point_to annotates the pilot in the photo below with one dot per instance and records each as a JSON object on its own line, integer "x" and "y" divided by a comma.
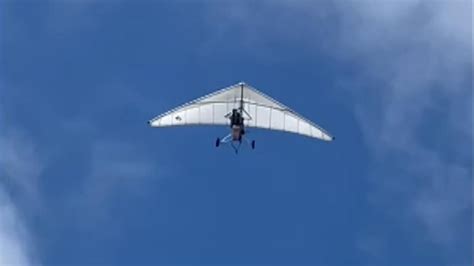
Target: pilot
{"x": 236, "y": 118}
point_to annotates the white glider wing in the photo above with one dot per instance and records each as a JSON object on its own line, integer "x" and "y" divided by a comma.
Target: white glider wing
{"x": 260, "y": 111}
{"x": 208, "y": 110}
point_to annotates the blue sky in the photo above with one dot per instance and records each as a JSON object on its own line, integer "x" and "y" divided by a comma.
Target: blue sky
{"x": 85, "y": 181}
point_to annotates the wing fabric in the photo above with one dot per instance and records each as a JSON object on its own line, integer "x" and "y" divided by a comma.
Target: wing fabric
{"x": 268, "y": 113}
{"x": 261, "y": 112}
{"x": 208, "y": 110}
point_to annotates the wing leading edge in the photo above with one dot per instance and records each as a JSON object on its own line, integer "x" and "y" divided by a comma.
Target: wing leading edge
{"x": 261, "y": 110}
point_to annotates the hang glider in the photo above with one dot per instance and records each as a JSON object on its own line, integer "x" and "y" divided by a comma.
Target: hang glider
{"x": 240, "y": 106}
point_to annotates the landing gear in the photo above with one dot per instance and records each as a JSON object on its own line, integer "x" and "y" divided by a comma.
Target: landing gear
{"x": 235, "y": 144}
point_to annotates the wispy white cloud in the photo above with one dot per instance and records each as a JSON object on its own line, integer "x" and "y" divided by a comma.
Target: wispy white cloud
{"x": 15, "y": 244}
{"x": 114, "y": 170}
{"x": 19, "y": 170}
{"x": 117, "y": 170}
{"x": 21, "y": 165}
{"x": 419, "y": 53}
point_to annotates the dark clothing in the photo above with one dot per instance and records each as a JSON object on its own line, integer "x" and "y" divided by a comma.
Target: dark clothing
{"x": 236, "y": 118}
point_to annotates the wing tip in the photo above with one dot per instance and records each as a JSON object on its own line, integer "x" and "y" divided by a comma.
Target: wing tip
{"x": 328, "y": 138}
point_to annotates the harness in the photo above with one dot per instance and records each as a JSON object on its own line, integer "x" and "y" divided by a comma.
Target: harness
{"x": 236, "y": 119}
